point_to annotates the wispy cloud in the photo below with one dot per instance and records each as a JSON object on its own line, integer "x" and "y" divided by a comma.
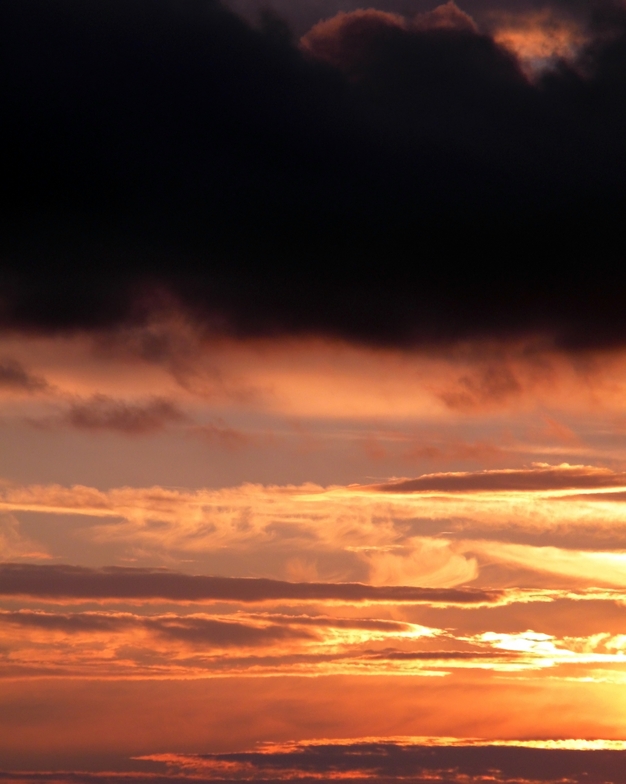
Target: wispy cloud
{"x": 101, "y": 413}
{"x": 15, "y": 377}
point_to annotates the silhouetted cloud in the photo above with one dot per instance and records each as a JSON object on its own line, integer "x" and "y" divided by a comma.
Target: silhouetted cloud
{"x": 75, "y": 582}
{"x": 414, "y": 187}
{"x": 541, "y": 477}
{"x": 389, "y": 760}
{"x": 192, "y": 630}
{"x": 418, "y": 762}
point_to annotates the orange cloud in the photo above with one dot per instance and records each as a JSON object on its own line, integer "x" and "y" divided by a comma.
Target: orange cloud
{"x": 347, "y": 40}
{"x": 62, "y": 721}
{"x": 321, "y": 379}
{"x": 539, "y": 37}
{"x": 15, "y": 378}
{"x": 413, "y": 531}
{"x": 101, "y": 413}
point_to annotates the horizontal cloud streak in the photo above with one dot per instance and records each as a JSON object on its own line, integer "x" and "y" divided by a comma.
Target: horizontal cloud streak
{"x": 382, "y": 759}
{"x": 192, "y": 630}
{"x": 127, "y": 583}
{"x": 540, "y": 478}
{"x": 103, "y": 413}
{"x": 439, "y": 531}
{"x": 14, "y": 377}
{"x": 128, "y": 644}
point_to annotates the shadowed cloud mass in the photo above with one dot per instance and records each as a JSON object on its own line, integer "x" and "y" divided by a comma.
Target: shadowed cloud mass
{"x": 13, "y": 376}
{"x": 313, "y": 251}
{"x": 390, "y": 179}
{"x": 128, "y": 583}
{"x": 103, "y": 413}
{"x": 384, "y": 760}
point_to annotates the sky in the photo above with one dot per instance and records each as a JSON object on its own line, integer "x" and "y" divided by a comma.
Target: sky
{"x": 312, "y": 383}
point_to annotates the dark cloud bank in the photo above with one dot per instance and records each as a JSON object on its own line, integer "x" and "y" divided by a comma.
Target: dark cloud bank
{"x": 77, "y": 582}
{"x": 382, "y": 761}
{"x": 374, "y": 761}
{"x": 415, "y": 186}
{"x": 544, "y": 478}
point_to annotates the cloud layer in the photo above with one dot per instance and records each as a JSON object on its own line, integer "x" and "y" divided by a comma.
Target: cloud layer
{"x": 72, "y": 582}
{"x": 371, "y": 166}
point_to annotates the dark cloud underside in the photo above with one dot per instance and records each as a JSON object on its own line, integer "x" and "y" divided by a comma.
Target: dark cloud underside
{"x": 103, "y": 413}
{"x": 524, "y": 479}
{"x": 389, "y": 761}
{"x": 128, "y": 583}
{"x": 378, "y": 761}
{"x": 14, "y": 376}
{"x": 190, "y": 630}
{"x": 420, "y": 188}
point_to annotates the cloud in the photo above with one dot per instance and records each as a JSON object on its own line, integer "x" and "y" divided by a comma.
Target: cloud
{"x": 13, "y": 542}
{"x": 494, "y": 384}
{"x": 540, "y": 38}
{"x": 343, "y": 40}
{"x": 591, "y": 568}
{"x": 414, "y": 760}
{"x": 362, "y": 198}
{"x": 183, "y": 644}
{"x": 14, "y": 377}
{"x": 542, "y": 477}
{"x": 222, "y": 434}
{"x": 199, "y": 626}
{"x": 447, "y": 16}
{"x": 191, "y": 630}
{"x": 208, "y": 631}
{"x": 102, "y": 413}
{"x": 406, "y": 532}
{"x": 428, "y": 563}
{"x": 479, "y": 451}
{"x": 349, "y": 41}
{"x": 74, "y": 582}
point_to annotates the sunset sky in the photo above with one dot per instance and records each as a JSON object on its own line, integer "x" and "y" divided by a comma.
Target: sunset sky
{"x": 313, "y": 391}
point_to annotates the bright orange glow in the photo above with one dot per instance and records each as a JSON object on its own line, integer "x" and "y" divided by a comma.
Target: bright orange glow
{"x": 435, "y": 536}
{"x": 539, "y": 37}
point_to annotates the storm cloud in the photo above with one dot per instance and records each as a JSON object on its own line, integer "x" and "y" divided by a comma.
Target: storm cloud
{"x": 417, "y": 187}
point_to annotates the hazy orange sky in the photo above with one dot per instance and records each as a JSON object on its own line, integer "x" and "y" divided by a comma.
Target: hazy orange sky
{"x": 412, "y": 542}
{"x": 312, "y": 392}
